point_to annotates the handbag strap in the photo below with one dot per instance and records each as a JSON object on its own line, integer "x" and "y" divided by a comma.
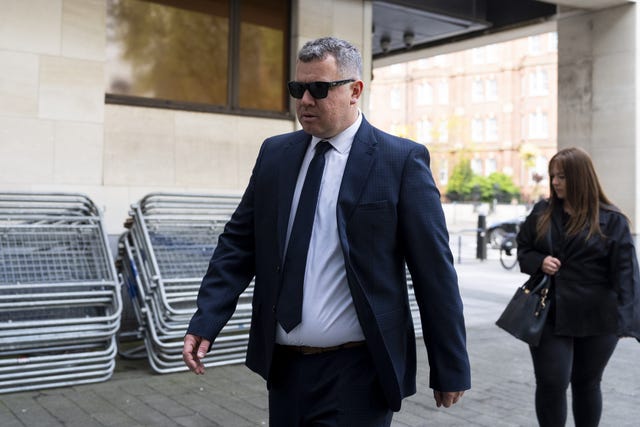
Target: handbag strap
{"x": 545, "y": 284}
{"x": 549, "y": 240}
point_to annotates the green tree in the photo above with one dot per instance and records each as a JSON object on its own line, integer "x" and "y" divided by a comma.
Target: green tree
{"x": 495, "y": 186}
{"x": 504, "y": 187}
{"x": 464, "y": 185}
{"x": 481, "y": 189}
{"x": 460, "y": 182}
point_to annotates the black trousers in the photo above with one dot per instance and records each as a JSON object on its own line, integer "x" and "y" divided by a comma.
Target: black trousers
{"x": 580, "y": 361}
{"x": 337, "y": 388}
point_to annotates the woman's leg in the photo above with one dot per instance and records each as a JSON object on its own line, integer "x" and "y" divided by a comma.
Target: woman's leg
{"x": 591, "y": 355}
{"x": 552, "y": 363}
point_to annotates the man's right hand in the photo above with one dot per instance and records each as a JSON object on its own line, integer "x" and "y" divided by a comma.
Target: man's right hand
{"x": 193, "y": 351}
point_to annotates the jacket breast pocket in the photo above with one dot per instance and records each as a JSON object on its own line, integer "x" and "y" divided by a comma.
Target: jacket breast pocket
{"x": 372, "y": 228}
{"x": 381, "y": 211}
{"x": 373, "y": 217}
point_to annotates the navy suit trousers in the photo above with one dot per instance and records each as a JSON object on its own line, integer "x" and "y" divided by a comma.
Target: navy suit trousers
{"x": 337, "y": 388}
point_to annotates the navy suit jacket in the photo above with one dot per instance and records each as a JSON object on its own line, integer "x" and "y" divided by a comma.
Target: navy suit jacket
{"x": 388, "y": 213}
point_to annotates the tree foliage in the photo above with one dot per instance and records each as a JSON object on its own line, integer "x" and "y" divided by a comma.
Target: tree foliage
{"x": 460, "y": 182}
{"x": 505, "y": 189}
{"x": 464, "y": 185}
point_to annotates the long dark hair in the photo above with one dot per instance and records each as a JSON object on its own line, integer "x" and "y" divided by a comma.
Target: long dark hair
{"x": 583, "y": 193}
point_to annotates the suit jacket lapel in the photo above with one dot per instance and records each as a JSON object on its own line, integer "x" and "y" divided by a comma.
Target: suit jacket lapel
{"x": 291, "y": 160}
{"x": 363, "y": 152}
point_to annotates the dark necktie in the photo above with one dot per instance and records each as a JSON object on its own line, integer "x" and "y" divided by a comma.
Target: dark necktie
{"x": 289, "y": 310}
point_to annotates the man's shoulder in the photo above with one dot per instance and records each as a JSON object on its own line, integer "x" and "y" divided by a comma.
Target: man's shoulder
{"x": 394, "y": 141}
{"x": 277, "y": 142}
{"x": 298, "y": 135}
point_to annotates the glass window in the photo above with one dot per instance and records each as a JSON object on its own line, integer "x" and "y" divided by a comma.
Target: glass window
{"x": 538, "y": 82}
{"x": 553, "y": 42}
{"x": 214, "y": 53}
{"x": 424, "y": 131}
{"x": 476, "y": 166}
{"x": 492, "y": 53}
{"x": 425, "y": 94}
{"x": 443, "y": 131}
{"x": 477, "y": 130}
{"x": 443, "y": 92}
{"x": 477, "y": 55}
{"x": 396, "y": 69}
{"x": 490, "y": 166}
{"x": 396, "y": 101}
{"x": 441, "y": 60}
{"x": 491, "y": 89}
{"x": 477, "y": 91}
{"x": 491, "y": 126}
{"x": 422, "y": 63}
{"x": 263, "y": 56}
{"x": 538, "y": 125}
{"x": 535, "y": 43}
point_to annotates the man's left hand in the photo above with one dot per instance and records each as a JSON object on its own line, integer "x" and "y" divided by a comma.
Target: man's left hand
{"x": 446, "y": 398}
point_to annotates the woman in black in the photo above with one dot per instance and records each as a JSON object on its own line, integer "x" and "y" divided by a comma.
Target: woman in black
{"x": 595, "y": 292}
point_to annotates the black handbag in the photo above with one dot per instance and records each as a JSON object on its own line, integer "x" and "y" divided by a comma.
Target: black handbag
{"x": 525, "y": 315}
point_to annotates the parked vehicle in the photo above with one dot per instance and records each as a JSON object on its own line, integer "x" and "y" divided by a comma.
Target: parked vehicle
{"x": 497, "y": 231}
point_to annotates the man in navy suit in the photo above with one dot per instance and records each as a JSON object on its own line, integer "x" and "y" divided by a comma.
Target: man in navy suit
{"x": 349, "y": 357}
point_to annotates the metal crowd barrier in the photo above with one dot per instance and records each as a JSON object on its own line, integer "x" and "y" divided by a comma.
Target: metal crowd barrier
{"x": 413, "y": 305}
{"x": 162, "y": 258}
{"x": 60, "y": 299}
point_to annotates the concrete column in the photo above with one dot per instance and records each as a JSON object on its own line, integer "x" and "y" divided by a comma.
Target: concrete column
{"x": 598, "y": 94}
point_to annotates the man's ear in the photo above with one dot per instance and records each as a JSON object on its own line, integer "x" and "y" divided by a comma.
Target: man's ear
{"x": 356, "y": 91}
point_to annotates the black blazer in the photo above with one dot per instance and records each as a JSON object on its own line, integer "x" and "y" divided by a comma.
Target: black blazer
{"x": 388, "y": 213}
{"x": 597, "y": 289}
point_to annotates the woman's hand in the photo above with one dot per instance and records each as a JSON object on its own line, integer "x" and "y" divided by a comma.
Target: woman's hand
{"x": 550, "y": 265}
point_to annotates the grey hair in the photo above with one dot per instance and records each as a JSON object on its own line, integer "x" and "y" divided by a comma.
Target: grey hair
{"x": 347, "y": 56}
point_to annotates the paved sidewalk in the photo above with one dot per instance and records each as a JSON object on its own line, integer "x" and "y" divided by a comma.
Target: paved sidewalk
{"x": 233, "y": 396}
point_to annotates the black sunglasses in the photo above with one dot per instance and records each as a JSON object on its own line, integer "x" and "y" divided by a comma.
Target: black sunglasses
{"x": 318, "y": 90}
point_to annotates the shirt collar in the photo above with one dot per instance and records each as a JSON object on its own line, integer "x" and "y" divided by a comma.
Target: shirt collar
{"x": 342, "y": 141}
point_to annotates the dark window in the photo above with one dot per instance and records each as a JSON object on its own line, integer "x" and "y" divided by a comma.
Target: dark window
{"x": 211, "y": 55}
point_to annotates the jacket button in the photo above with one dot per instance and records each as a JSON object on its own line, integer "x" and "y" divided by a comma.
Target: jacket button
{"x": 277, "y": 268}
{"x": 273, "y": 308}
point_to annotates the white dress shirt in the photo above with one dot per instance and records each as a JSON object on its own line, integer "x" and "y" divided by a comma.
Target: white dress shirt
{"x": 328, "y": 314}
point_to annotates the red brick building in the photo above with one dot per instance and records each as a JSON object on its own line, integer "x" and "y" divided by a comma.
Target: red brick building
{"x": 495, "y": 105}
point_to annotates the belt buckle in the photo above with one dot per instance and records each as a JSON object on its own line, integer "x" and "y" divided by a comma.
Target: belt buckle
{"x": 308, "y": 351}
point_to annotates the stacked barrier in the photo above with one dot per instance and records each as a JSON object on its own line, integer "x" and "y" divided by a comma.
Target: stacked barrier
{"x": 413, "y": 305}
{"x": 163, "y": 257}
{"x": 60, "y": 299}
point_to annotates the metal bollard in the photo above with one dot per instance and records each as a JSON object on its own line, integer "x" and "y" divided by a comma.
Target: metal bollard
{"x": 481, "y": 239}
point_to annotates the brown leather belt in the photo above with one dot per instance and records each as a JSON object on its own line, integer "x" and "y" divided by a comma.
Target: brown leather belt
{"x": 306, "y": 350}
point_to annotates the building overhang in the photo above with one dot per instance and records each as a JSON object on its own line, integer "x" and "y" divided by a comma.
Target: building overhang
{"x": 400, "y": 26}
